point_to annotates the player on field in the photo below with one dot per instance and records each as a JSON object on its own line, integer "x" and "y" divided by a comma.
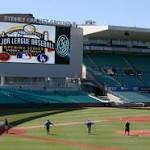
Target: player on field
{"x": 89, "y": 124}
{"x": 127, "y": 128}
{"x": 48, "y": 124}
{"x": 6, "y": 125}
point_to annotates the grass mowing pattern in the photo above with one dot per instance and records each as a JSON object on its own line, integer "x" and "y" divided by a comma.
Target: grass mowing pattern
{"x": 103, "y": 133}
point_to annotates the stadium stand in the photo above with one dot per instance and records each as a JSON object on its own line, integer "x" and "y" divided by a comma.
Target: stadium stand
{"x": 123, "y": 73}
{"x": 20, "y": 96}
{"x": 141, "y": 63}
{"x": 117, "y": 70}
{"x": 131, "y": 97}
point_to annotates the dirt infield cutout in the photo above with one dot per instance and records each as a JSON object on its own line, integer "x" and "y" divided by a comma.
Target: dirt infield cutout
{"x": 136, "y": 132}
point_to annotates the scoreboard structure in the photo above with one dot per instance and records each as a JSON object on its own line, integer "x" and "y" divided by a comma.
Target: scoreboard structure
{"x": 38, "y": 50}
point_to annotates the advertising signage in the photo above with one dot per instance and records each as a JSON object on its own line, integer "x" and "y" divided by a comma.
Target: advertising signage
{"x": 30, "y": 19}
{"x": 30, "y": 43}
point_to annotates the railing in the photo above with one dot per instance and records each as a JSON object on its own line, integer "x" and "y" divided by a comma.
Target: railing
{"x": 117, "y": 49}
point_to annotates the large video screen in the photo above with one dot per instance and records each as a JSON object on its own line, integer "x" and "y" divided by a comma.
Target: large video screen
{"x": 30, "y": 43}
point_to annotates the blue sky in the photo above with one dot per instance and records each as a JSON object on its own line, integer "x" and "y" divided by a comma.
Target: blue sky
{"x": 114, "y": 12}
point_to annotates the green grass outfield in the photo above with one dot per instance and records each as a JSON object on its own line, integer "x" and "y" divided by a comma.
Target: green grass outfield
{"x": 74, "y": 136}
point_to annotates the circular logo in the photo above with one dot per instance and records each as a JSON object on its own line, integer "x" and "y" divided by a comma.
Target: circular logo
{"x": 4, "y": 56}
{"x": 29, "y": 28}
{"x": 63, "y": 46}
{"x": 42, "y": 58}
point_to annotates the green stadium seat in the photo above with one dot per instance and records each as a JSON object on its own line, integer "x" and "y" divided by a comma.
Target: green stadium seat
{"x": 131, "y": 97}
{"x": 11, "y": 95}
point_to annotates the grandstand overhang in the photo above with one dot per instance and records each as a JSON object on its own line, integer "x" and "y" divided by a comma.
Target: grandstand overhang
{"x": 116, "y": 32}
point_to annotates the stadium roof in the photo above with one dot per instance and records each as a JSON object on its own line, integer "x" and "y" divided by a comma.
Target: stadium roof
{"x": 116, "y": 32}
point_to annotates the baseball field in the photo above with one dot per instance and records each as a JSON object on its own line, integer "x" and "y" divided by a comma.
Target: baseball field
{"x": 69, "y": 132}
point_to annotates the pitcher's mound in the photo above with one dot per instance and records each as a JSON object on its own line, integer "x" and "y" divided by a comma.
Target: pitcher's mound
{"x": 136, "y": 132}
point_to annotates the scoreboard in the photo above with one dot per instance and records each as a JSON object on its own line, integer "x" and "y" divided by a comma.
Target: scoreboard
{"x": 29, "y": 43}
{"x": 35, "y": 50}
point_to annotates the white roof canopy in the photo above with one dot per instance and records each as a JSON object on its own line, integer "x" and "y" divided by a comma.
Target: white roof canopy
{"x": 116, "y": 32}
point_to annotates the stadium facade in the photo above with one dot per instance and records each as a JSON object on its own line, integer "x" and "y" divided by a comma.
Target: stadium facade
{"x": 116, "y": 38}
{"x": 54, "y": 55}
{"x": 118, "y": 59}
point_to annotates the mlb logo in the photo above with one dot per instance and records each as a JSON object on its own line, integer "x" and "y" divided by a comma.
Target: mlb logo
{"x": 24, "y": 55}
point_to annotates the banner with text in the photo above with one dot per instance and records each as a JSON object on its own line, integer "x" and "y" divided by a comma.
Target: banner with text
{"x": 29, "y": 43}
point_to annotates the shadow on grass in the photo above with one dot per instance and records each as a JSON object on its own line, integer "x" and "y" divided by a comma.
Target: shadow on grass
{"x": 13, "y": 111}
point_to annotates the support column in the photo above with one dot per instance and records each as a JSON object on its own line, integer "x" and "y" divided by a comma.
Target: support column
{"x": 2, "y": 81}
